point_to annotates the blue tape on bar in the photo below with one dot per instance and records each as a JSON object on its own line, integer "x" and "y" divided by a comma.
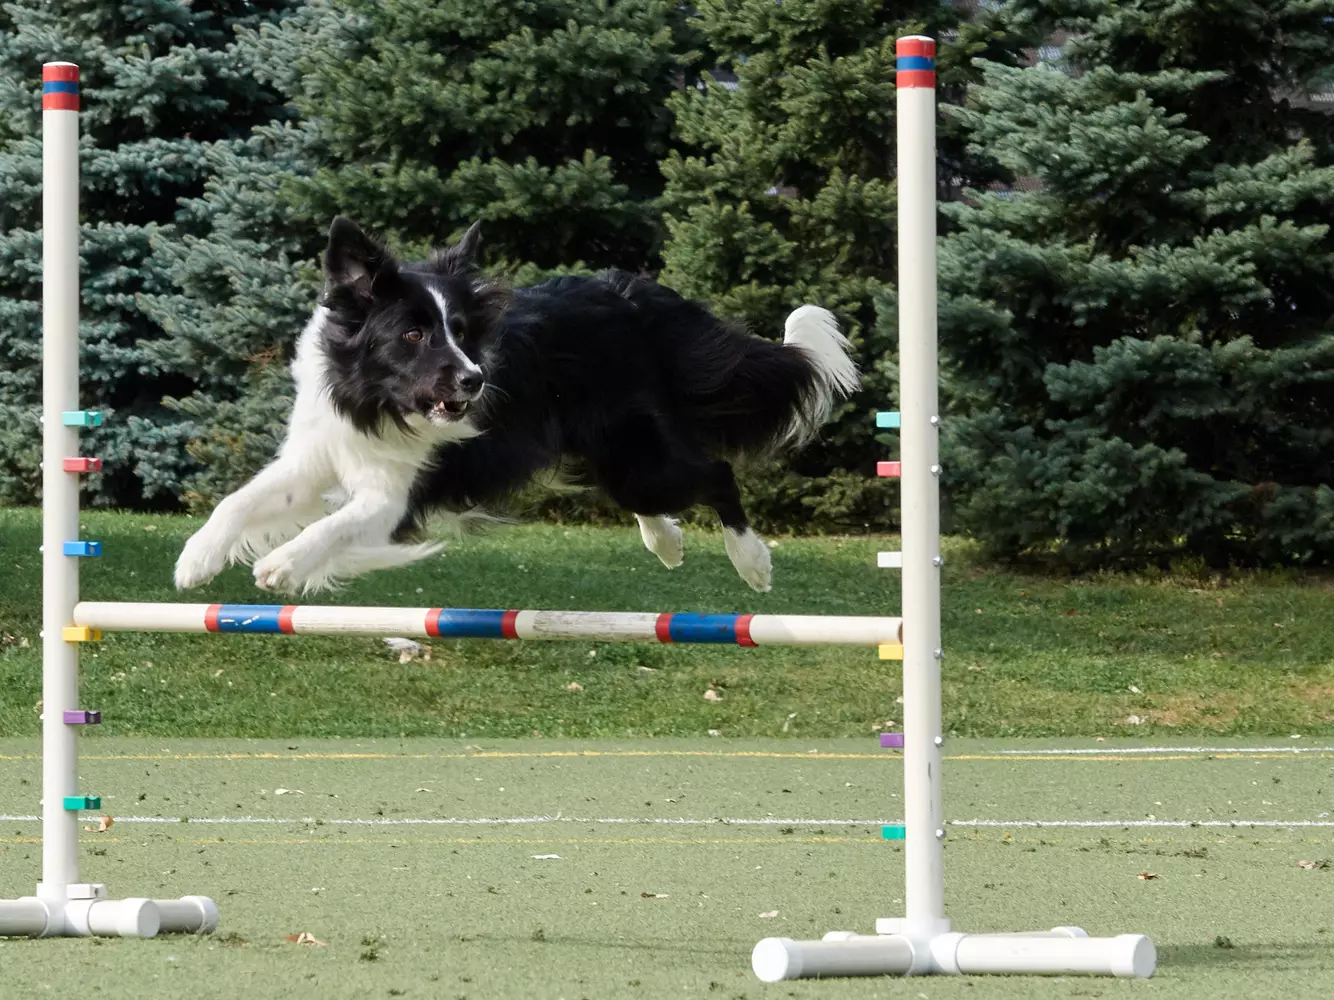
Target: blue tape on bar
{"x": 702, "y": 628}
{"x": 915, "y": 62}
{"x": 888, "y": 418}
{"x": 265, "y": 618}
{"x": 82, "y": 548}
{"x": 467, "y": 623}
{"x": 892, "y": 833}
{"x": 81, "y": 418}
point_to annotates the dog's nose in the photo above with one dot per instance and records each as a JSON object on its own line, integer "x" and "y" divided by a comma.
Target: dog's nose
{"x": 470, "y": 381}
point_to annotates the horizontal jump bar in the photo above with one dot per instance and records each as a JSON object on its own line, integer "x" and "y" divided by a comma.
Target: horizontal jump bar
{"x": 465, "y": 623}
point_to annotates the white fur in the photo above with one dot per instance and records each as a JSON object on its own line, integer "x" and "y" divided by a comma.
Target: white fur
{"x": 815, "y": 331}
{"x": 465, "y": 363}
{"x": 751, "y": 558}
{"x": 662, "y": 537}
{"x": 282, "y": 516}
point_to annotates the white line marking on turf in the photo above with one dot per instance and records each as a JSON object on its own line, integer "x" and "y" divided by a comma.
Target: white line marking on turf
{"x": 686, "y": 821}
{"x": 1135, "y": 750}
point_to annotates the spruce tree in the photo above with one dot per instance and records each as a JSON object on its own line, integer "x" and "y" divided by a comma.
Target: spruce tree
{"x": 245, "y": 275}
{"x": 1141, "y": 345}
{"x": 545, "y": 120}
{"x": 161, "y": 87}
{"x": 791, "y": 199}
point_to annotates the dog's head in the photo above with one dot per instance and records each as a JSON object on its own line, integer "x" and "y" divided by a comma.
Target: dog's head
{"x": 407, "y": 343}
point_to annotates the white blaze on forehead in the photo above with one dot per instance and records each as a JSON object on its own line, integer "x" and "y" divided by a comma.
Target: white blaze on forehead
{"x": 466, "y": 363}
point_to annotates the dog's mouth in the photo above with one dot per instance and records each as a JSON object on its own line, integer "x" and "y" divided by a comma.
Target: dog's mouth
{"x": 447, "y": 410}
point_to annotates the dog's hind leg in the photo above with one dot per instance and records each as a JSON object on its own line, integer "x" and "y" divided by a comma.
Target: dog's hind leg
{"x": 662, "y": 537}
{"x": 746, "y": 549}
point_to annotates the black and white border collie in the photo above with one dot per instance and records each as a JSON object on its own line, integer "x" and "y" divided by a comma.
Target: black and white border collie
{"x": 425, "y": 388}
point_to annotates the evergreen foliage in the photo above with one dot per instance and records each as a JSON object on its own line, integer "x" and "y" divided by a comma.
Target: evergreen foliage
{"x": 1142, "y": 348}
{"x": 245, "y": 276}
{"x": 792, "y": 200}
{"x": 544, "y": 119}
{"x": 162, "y": 88}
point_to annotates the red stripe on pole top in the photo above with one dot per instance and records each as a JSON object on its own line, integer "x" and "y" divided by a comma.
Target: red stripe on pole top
{"x": 60, "y": 72}
{"x": 915, "y": 46}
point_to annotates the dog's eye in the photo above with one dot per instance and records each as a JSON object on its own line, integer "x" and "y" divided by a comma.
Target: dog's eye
{"x": 413, "y": 336}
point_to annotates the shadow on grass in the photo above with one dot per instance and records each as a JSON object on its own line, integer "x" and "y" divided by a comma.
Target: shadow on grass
{"x": 716, "y": 946}
{"x": 1285, "y": 954}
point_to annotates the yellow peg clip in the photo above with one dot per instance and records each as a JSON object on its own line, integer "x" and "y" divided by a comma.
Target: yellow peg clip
{"x": 80, "y": 633}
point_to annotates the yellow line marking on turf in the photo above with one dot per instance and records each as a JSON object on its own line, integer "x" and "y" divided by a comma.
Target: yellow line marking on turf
{"x": 778, "y": 755}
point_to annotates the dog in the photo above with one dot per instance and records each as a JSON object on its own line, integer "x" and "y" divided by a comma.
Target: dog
{"x": 426, "y": 388}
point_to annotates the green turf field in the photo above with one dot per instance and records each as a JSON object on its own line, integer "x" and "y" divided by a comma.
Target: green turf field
{"x": 414, "y": 862}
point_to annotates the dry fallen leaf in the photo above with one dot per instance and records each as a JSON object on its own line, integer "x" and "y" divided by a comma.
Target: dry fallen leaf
{"x": 715, "y": 732}
{"x": 1070, "y": 613}
{"x": 305, "y": 937}
{"x": 574, "y": 686}
{"x": 288, "y": 791}
{"x": 1146, "y": 875}
{"x": 653, "y": 895}
{"x": 768, "y": 914}
{"x": 712, "y": 695}
{"x": 409, "y": 650}
{"x": 1312, "y": 865}
{"x": 104, "y": 824}
{"x": 547, "y": 857}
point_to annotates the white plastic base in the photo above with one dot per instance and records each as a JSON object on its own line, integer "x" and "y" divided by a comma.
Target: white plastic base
{"x": 84, "y": 911}
{"x": 1062, "y": 951}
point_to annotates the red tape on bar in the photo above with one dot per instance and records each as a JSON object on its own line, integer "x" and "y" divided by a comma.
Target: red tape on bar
{"x": 743, "y": 631}
{"x": 211, "y": 617}
{"x": 663, "y": 627}
{"x": 433, "y": 621}
{"x": 285, "y": 619}
{"x": 508, "y": 625}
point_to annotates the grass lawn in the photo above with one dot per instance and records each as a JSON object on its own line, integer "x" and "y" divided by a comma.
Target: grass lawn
{"x": 1025, "y": 656}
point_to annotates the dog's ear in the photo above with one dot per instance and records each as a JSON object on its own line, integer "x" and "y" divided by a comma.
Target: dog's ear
{"x": 353, "y": 261}
{"x": 462, "y": 256}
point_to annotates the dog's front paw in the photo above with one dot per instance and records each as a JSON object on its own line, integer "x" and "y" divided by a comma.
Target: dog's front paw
{"x": 203, "y": 558}
{"x": 279, "y": 571}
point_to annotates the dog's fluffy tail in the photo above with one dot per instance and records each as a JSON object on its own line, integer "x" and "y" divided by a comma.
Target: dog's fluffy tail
{"x": 756, "y": 397}
{"x": 815, "y": 332}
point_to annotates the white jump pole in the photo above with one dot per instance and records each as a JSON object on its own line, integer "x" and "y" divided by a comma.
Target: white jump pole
{"x": 63, "y": 905}
{"x": 922, "y": 942}
{"x": 471, "y": 623}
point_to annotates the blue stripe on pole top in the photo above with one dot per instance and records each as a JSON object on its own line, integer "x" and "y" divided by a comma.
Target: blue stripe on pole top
{"x": 914, "y": 62}
{"x": 60, "y": 87}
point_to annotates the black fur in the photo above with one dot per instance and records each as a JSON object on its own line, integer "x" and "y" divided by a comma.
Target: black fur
{"x": 638, "y": 391}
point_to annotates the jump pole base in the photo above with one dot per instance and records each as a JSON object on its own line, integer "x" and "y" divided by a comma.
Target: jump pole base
{"x": 1061, "y": 951}
{"x": 87, "y": 912}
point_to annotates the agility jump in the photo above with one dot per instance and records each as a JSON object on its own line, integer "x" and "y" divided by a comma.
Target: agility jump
{"x": 920, "y": 942}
